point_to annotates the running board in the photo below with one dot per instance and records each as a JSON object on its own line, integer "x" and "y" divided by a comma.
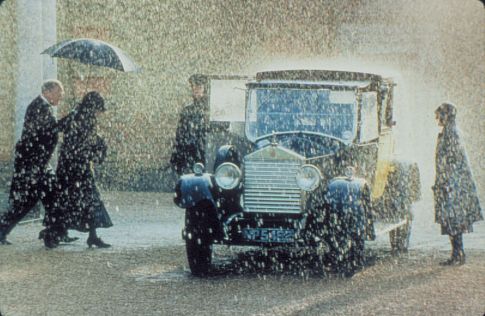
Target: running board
{"x": 383, "y": 228}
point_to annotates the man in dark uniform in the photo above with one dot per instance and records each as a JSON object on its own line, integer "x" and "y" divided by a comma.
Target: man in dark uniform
{"x": 33, "y": 178}
{"x": 192, "y": 128}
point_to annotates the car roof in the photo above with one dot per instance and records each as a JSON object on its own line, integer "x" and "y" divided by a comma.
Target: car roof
{"x": 317, "y": 78}
{"x": 310, "y": 84}
{"x": 317, "y": 75}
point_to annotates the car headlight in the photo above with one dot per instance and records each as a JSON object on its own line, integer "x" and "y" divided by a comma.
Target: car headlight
{"x": 198, "y": 169}
{"x": 308, "y": 177}
{"x": 227, "y": 176}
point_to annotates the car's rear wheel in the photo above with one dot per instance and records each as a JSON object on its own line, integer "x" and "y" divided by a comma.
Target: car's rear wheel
{"x": 198, "y": 240}
{"x": 399, "y": 237}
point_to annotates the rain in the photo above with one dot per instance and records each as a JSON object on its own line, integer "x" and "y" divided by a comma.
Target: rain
{"x": 289, "y": 90}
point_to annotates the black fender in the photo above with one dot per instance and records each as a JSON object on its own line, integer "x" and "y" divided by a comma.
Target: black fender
{"x": 349, "y": 199}
{"x": 192, "y": 190}
{"x": 227, "y": 153}
{"x": 347, "y": 192}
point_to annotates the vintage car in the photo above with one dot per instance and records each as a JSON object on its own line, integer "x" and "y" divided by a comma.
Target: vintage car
{"x": 302, "y": 159}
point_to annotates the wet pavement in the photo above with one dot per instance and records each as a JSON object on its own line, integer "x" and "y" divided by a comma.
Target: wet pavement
{"x": 150, "y": 219}
{"x": 146, "y": 273}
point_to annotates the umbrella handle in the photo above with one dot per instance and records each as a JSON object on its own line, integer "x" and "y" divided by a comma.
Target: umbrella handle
{"x": 87, "y": 80}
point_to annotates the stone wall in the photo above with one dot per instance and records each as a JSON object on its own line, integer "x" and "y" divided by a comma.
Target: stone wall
{"x": 171, "y": 40}
{"x": 7, "y": 88}
{"x": 433, "y": 48}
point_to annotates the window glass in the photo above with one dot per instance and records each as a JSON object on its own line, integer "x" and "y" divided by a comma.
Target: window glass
{"x": 369, "y": 117}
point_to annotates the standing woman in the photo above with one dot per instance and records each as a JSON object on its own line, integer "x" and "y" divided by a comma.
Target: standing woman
{"x": 79, "y": 197}
{"x": 456, "y": 201}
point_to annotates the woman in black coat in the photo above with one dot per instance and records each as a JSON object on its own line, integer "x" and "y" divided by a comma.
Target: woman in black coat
{"x": 456, "y": 200}
{"x": 79, "y": 197}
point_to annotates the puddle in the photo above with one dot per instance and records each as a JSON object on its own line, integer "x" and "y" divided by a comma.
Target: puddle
{"x": 171, "y": 276}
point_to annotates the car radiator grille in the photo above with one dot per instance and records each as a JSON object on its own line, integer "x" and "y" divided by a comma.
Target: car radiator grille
{"x": 270, "y": 186}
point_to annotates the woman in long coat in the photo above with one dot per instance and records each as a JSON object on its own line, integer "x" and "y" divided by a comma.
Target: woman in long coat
{"x": 456, "y": 201}
{"x": 79, "y": 197}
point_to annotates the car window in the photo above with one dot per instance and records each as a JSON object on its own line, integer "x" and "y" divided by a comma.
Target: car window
{"x": 308, "y": 110}
{"x": 369, "y": 117}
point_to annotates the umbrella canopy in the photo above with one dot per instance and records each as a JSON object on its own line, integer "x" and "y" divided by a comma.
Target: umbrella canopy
{"x": 93, "y": 52}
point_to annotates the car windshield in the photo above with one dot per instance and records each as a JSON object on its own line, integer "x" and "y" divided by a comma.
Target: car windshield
{"x": 309, "y": 110}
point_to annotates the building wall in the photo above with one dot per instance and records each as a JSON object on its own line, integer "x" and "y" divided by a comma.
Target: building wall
{"x": 7, "y": 88}
{"x": 434, "y": 48}
{"x": 171, "y": 40}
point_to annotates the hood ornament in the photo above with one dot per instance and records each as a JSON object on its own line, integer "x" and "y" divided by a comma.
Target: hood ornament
{"x": 273, "y": 139}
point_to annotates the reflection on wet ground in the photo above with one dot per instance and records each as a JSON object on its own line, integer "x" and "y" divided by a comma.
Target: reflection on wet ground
{"x": 256, "y": 262}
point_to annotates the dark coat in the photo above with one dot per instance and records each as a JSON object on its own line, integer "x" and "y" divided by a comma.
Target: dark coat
{"x": 33, "y": 152}
{"x": 79, "y": 198}
{"x": 39, "y": 135}
{"x": 190, "y": 137}
{"x": 456, "y": 201}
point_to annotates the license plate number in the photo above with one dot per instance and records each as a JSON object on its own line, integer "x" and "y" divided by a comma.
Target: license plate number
{"x": 269, "y": 235}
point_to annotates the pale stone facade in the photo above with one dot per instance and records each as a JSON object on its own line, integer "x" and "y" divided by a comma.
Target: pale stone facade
{"x": 8, "y": 59}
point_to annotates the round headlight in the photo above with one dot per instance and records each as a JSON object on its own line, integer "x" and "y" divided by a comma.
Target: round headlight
{"x": 198, "y": 168}
{"x": 308, "y": 177}
{"x": 227, "y": 176}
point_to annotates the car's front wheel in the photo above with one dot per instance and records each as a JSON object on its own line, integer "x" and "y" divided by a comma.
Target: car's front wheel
{"x": 347, "y": 242}
{"x": 198, "y": 240}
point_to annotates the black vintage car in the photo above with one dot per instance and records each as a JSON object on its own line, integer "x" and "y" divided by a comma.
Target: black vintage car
{"x": 308, "y": 164}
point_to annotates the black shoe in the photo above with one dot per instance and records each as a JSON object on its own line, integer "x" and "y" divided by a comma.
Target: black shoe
{"x": 3, "y": 239}
{"x": 42, "y": 233}
{"x": 50, "y": 240}
{"x": 450, "y": 262}
{"x": 454, "y": 261}
{"x": 97, "y": 242}
{"x": 66, "y": 238}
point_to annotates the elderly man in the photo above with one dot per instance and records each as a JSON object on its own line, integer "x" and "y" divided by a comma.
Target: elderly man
{"x": 33, "y": 178}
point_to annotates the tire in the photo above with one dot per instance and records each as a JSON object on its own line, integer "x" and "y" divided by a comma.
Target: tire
{"x": 198, "y": 241}
{"x": 345, "y": 231}
{"x": 405, "y": 188}
{"x": 399, "y": 237}
{"x": 347, "y": 243}
{"x": 357, "y": 227}
{"x": 356, "y": 258}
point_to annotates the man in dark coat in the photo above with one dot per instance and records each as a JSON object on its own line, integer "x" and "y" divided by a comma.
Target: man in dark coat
{"x": 192, "y": 128}
{"x": 456, "y": 200}
{"x": 33, "y": 178}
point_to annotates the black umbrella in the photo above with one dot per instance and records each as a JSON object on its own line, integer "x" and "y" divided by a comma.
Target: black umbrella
{"x": 93, "y": 52}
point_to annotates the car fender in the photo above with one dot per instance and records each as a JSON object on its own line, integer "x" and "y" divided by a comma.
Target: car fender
{"x": 345, "y": 190}
{"x": 192, "y": 189}
{"x": 227, "y": 153}
{"x": 345, "y": 195}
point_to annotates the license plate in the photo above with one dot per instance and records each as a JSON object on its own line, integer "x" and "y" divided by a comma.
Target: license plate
{"x": 275, "y": 235}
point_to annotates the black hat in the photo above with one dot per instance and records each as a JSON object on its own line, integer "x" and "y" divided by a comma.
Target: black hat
{"x": 93, "y": 101}
{"x": 198, "y": 79}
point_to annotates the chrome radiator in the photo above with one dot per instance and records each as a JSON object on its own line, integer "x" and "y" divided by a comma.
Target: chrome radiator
{"x": 270, "y": 186}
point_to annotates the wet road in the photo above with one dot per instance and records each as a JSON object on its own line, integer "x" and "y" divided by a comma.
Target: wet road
{"x": 145, "y": 273}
